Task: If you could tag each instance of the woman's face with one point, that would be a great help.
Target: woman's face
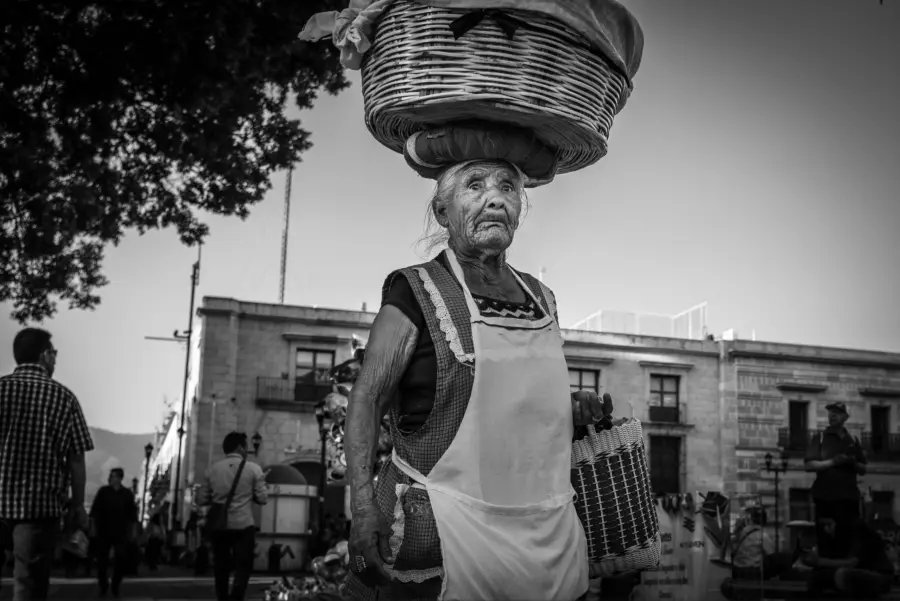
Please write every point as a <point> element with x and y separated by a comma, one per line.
<point>483,211</point>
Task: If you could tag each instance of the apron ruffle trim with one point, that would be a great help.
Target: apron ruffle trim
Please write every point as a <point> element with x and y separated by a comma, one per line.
<point>445,321</point>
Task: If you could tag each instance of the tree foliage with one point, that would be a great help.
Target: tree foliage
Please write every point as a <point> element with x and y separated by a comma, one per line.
<point>121,115</point>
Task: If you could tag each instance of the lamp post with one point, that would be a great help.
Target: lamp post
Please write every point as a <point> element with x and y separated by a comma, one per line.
<point>777,470</point>
<point>148,451</point>
<point>320,417</point>
<point>176,501</point>
<point>257,441</point>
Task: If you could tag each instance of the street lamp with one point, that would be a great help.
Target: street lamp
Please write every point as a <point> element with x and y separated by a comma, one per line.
<point>148,451</point>
<point>773,468</point>
<point>256,440</point>
<point>320,417</point>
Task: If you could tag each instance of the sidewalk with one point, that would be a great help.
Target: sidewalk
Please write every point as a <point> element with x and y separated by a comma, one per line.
<point>169,583</point>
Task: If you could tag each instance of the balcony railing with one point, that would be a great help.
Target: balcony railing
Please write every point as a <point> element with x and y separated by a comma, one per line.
<point>877,447</point>
<point>290,391</point>
<point>664,414</point>
<point>794,442</point>
<point>881,447</point>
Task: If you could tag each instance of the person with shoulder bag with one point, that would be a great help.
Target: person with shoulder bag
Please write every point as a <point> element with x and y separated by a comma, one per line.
<point>231,485</point>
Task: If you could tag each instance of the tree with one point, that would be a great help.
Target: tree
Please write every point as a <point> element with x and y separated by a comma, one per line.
<point>120,115</point>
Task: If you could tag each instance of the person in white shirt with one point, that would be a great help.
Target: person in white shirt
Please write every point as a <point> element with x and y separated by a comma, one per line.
<point>233,539</point>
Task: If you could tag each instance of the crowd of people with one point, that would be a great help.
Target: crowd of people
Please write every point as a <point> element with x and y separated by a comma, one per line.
<point>43,520</point>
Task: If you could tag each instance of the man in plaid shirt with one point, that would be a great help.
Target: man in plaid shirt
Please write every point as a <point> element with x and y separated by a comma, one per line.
<point>43,439</point>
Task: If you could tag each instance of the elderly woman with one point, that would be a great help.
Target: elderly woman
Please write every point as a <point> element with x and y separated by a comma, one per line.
<point>466,357</point>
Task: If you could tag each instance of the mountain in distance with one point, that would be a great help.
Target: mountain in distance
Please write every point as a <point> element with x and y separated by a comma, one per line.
<point>112,449</point>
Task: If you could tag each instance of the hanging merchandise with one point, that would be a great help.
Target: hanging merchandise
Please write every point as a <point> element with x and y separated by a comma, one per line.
<point>536,83</point>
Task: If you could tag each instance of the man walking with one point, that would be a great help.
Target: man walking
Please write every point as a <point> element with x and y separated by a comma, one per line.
<point>231,485</point>
<point>43,439</point>
<point>837,458</point>
<point>114,519</point>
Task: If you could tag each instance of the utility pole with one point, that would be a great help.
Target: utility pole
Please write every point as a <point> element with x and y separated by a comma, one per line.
<point>176,500</point>
<point>284,231</point>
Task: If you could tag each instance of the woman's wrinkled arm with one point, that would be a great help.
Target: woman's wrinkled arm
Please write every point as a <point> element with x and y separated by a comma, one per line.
<point>389,351</point>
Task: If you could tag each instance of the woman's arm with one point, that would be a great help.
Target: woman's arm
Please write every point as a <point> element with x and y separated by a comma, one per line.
<point>389,351</point>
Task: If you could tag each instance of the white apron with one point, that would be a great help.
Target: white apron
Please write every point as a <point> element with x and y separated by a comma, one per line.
<point>501,493</point>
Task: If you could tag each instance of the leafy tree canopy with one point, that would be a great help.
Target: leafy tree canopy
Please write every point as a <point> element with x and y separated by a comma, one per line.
<point>135,114</point>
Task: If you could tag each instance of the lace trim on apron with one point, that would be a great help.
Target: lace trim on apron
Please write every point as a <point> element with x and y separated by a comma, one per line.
<point>446,322</point>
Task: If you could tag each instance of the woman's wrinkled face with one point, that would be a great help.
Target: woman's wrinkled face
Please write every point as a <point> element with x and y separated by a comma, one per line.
<point>483,212</point>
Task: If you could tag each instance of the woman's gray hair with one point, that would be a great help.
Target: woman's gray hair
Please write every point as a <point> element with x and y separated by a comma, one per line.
<point>435,237</point>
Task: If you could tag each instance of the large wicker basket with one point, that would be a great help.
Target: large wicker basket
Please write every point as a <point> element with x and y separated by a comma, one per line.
<point>546,78</point>
<point>614,502</point>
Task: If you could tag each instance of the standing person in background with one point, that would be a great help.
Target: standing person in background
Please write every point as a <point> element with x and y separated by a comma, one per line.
<point>837,459</point>
<point>43,439</point>
<point>114,516</point>
<point>156,538</point>
<point>230,486</point>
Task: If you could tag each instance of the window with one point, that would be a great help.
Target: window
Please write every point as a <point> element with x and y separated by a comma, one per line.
<point>798,425</point>
<point>801,504</point>
<point>312,380</point>
<point>881,428</point>
<point>882,504</point>
<point>664,402</point>
<point>665,464</point>
<point>584,379</point>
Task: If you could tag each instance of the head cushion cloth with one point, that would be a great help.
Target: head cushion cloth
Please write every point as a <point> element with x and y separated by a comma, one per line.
<point>431,151</point>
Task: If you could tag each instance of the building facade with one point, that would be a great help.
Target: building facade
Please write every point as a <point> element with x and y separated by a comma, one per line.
<point>781,391</point>
<point>711,409</point>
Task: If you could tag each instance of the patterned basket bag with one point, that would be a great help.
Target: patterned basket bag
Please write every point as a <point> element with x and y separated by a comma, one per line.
<point>614,499</point>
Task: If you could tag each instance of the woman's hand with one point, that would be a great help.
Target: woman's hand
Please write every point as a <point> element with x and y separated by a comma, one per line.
<point>368,546</point>
<point>587,408</point>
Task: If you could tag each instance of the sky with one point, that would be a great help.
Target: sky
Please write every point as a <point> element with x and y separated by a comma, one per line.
<point>756,167</point>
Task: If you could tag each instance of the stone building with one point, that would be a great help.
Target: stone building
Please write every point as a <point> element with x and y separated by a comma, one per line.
<point>711,409</point>
<point>778,397</point>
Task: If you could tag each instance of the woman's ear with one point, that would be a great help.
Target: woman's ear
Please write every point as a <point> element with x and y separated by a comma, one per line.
<point>440,213</point>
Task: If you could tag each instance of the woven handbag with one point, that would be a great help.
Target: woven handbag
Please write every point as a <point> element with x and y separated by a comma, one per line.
<point>546,79</point>
<point>615,503</point>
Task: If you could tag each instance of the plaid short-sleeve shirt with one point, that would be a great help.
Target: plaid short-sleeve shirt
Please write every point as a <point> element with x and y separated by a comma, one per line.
<point>41,423</point>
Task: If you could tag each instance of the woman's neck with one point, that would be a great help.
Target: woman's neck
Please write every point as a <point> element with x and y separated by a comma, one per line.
<point>488,268</point>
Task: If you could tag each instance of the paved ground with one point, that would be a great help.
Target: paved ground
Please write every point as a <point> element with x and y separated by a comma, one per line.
<point>168,584</point>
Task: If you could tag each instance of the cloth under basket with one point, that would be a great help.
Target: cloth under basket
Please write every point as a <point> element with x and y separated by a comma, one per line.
<point>614,499</point>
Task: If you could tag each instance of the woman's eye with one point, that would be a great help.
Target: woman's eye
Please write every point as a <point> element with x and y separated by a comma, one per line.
<point>476,185</point>
<point>507,188</point>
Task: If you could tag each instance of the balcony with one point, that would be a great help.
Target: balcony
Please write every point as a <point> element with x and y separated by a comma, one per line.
<point>670,415</point>
<point>878,447</point>
<point>287,394</point>
<point>794,442</point>
<point>881,447</point>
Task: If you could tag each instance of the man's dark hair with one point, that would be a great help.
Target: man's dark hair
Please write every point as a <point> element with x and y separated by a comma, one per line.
<point>119,471</point>
<point>29,344</point>
<point>233,441</point>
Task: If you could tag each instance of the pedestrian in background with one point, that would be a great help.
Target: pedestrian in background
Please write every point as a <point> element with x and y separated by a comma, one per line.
<point>231,485</point>
<point>156,538</point>
<point>837,459</point>
<point>43,439</point>
<point>114,519</point>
